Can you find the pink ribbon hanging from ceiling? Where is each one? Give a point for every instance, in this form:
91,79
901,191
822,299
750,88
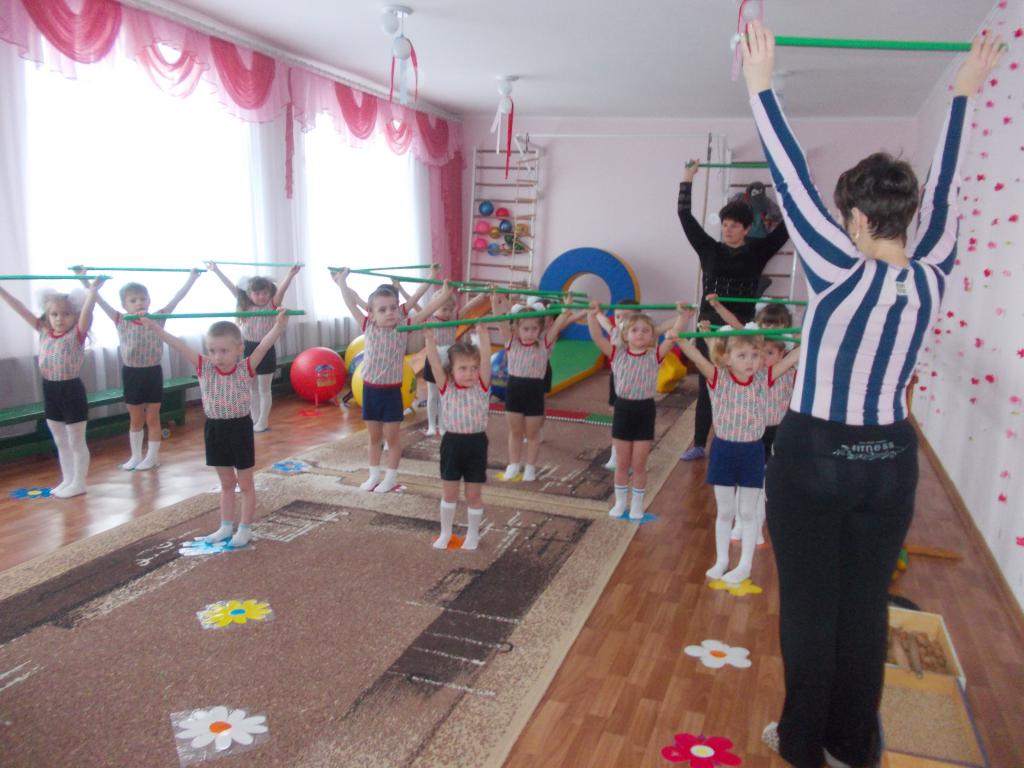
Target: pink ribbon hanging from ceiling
247,87
86,36
361,119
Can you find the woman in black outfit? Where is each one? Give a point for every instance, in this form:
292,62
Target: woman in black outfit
731,267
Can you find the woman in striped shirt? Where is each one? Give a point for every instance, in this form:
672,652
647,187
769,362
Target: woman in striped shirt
841,484
463,384
635,357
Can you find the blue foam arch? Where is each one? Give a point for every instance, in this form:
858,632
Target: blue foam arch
615,273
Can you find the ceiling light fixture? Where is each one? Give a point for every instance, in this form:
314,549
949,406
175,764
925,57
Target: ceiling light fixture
402,50
505,107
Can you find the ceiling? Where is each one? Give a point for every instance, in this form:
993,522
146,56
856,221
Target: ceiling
613,58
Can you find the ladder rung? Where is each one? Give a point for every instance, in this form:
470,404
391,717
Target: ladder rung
506,183
512,267
496,200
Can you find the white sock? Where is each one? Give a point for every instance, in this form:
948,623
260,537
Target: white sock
737,530
510,472
221,534
135,441
447,516
747,502
621,497
372,481
725,498
242,536
152,456
636,505
389,482
79,462
60,438
266,399
433,407
472,540
529,473
611,460
759,523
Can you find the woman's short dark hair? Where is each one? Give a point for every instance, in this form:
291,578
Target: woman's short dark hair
885,190
738,211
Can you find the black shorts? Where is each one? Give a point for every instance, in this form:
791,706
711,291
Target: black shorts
464,457
525,396
611,389
428,373
142,385
547,378
230,443
269,362
65,401
382,403
633,419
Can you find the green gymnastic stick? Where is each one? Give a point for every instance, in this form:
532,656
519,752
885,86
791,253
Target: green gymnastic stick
193,315
632,307
54,277
771,332
472,287
479,320
482,288
135,269
877,45
411,266
734,165
258,263
762,300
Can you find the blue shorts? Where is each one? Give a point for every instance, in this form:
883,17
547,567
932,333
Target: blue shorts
382,403
731,464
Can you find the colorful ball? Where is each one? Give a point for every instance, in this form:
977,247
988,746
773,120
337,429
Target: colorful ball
505,225
494,249
317,374
499,374
522,228
408,384
495,233
486,208
482,226
353,365
354,348
501,213
479,244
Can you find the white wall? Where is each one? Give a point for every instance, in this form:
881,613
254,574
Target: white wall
972,372
619,194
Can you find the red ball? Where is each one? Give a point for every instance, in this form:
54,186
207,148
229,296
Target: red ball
318,374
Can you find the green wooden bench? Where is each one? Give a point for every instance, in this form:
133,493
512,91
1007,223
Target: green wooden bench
172,413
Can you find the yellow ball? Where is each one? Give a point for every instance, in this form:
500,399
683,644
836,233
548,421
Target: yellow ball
670,373
353,349
408,384
495,233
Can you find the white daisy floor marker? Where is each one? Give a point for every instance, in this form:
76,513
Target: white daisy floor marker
716,654
206,734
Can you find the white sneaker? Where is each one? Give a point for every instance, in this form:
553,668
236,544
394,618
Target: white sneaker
770,736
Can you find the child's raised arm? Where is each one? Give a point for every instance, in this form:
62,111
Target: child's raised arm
212,266
85,314
20,308
188,354
724,313
703,364
414,300
435,303
596,333
562,321
270,339
485,354
786,363
500,305
436,366
684,314
352,300
106,307
176,299
283,288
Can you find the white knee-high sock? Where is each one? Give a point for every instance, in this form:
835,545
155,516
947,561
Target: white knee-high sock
747,503
135,441
433,407
262,407
472,540
152,456
79,461
447,517
725,499
60,438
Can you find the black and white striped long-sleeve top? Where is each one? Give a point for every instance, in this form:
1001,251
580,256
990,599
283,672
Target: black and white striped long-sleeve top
866,319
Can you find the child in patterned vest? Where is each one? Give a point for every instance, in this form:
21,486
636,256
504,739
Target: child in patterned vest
739,407
463,385
225,381
383,363
142,378
635,358
62,333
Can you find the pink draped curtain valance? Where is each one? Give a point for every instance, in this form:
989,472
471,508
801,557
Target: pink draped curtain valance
250,85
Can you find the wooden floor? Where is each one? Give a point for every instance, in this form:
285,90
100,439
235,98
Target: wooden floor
626,686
